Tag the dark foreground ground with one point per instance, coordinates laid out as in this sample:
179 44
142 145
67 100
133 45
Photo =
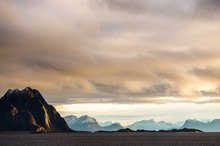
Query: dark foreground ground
110 139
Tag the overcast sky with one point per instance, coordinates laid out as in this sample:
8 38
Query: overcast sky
113 52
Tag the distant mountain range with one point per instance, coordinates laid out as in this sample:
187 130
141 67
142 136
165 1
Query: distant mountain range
84 123
213 126
87 123
113 127
153 125
26 110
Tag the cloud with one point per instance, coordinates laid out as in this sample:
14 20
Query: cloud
188 9
207 72
139 6
110 50
212 93
209 5
148 6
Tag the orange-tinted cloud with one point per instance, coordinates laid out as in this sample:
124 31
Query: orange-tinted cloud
111 51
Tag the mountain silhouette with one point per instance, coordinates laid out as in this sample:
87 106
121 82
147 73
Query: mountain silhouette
213 126
26 110
88 123
84 123
113 127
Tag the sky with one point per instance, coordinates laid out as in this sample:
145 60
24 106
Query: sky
121 60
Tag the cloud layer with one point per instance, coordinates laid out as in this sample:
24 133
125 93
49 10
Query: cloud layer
120 51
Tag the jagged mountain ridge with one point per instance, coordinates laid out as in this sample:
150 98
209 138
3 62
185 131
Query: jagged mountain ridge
84 123
87 123
26 110
152 125
22 110
213 126
210 126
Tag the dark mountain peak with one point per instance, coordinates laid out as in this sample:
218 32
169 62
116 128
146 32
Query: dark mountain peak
28 89
12 91
27 110
23 99
16 90
26 92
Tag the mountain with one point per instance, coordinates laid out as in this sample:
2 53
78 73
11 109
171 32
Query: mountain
152 125
26 110
144 124
113 127
84 123
213 126
70 119
178 124
87 123
165 124
107 123
193 123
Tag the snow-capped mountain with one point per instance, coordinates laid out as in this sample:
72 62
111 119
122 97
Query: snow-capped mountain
107 123
152 125
213 126
71 119
84 123
87 123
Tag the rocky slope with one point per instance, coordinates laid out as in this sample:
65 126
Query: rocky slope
26 110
